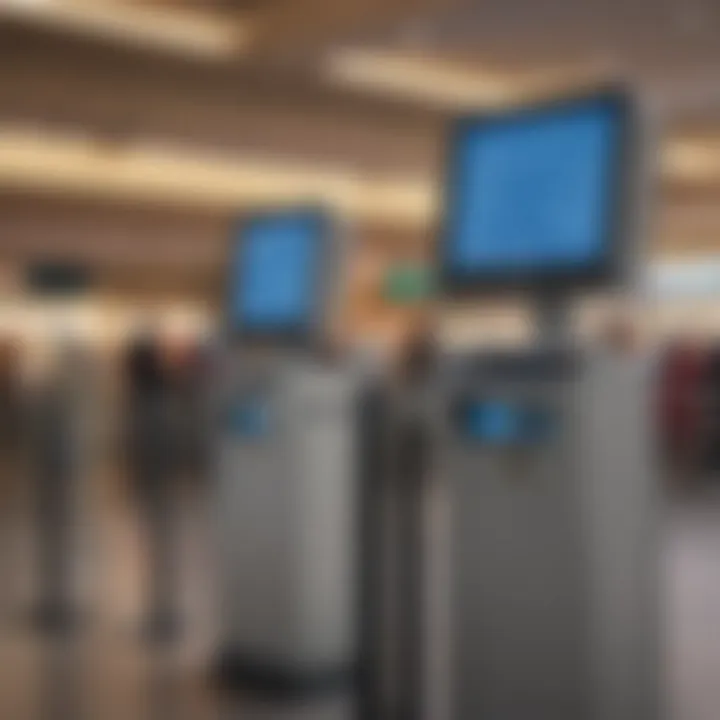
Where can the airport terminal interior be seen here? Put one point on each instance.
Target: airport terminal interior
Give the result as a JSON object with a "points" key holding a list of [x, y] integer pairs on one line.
{"points": [[280, 277]]}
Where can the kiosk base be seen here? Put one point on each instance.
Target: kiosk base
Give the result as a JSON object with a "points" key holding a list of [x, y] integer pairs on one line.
{"points": [[236, 671], [55, 618]]}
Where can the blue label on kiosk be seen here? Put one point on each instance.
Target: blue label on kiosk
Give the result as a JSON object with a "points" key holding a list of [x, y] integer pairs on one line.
{"points": [[248, 418], [503, 423]]}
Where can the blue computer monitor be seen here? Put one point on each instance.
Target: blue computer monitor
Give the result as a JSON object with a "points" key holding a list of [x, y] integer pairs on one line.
{"points": [[277, 275], [537, 196]]}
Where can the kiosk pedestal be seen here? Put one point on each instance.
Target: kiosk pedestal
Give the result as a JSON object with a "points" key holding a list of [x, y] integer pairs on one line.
{"points": [[289, 526], [546, 461]]}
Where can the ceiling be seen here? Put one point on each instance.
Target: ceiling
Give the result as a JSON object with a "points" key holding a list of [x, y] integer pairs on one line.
{"points": [[668, 47], [133, 102]]}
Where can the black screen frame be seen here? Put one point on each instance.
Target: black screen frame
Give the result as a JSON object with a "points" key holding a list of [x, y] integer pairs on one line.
{"points": [[611, 268], [296, 336]]}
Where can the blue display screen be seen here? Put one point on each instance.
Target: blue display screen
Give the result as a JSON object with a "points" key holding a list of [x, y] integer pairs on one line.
{"points": [[501, 423], [534, 191], [276, 272]]}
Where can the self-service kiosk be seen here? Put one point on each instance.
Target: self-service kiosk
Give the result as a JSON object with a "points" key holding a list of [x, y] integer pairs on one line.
{"points": [[288, 496], [546, 505]]}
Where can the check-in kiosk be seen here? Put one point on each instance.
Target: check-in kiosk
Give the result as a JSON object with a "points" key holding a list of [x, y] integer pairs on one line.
{"points": [[287, 477], [546, 547]]}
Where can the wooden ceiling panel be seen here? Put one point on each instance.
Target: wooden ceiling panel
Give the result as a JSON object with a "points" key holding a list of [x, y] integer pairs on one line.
{"points": [[108, 235], [287, 29], [125, 95]]}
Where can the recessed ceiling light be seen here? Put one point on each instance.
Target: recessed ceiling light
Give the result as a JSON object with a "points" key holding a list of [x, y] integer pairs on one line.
{"points": [[431, 81], [160, 174], [163, 28]]}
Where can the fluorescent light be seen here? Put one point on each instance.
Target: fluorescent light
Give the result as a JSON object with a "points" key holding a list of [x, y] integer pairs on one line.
{"points": [[66, 164], [433, 82], [198, 34], [693, 160], [442, 83], [23, 3], [36, 160]]}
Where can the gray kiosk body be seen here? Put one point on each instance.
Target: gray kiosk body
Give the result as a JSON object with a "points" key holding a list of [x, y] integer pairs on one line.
{"points": [[287, 520], [545, 566], [551, 536]]}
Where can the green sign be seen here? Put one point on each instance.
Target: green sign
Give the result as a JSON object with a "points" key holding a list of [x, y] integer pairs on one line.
{"points": [[408, 284]]}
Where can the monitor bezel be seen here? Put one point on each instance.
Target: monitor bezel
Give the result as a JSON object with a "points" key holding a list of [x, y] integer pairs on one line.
{"points": [[296, 336], [610, 269]]}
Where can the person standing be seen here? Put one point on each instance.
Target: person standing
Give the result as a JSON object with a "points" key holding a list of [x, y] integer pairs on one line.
{"points": [[150, 459]]}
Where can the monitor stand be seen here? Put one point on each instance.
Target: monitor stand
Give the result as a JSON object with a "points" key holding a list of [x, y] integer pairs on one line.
{"points": [[553, 318]]}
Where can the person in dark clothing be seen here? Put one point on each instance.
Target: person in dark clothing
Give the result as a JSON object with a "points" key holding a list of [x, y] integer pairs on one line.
{"points": [[150, 455], [711, 409], [412, 462], [60, 450], [685, 375], [144, 369], [54, 495]]}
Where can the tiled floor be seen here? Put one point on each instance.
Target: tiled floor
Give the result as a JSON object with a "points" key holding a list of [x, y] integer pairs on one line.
{"points": [[107, 674]]}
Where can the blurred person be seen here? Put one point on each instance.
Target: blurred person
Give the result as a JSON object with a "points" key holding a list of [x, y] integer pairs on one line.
{"points": [[10, 396], [152, 449], [185, 364], [684, 375], [712, 409], [11, 434], [412, 460], [61, 453]]}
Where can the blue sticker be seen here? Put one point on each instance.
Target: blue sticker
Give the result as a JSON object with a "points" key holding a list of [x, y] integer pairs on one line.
{"points": [[248, 418], [505, 424]]}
